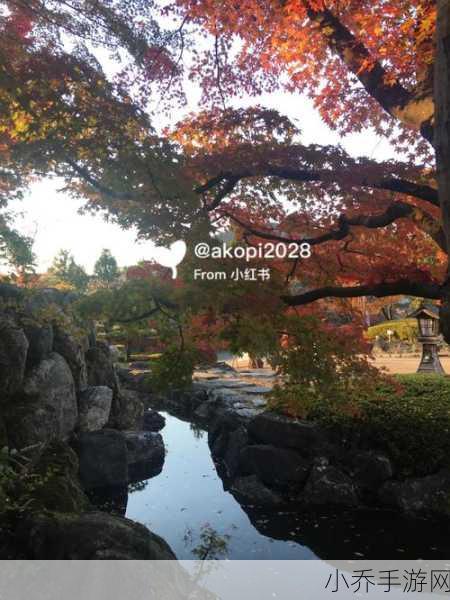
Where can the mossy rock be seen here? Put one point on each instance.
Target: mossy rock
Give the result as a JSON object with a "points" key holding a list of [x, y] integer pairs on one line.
{"points": [[94, 535], [59, 488]]}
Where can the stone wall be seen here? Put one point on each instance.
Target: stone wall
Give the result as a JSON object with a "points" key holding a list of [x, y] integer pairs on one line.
{"points": [[64, 412], [55, 378]]}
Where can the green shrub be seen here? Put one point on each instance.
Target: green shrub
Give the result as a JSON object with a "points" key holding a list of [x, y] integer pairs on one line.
{"points": [[407, 417], [405, 330], [413, 424], [172, 370]]}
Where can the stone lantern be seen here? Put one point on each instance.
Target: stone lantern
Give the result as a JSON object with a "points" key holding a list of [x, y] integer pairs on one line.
{"points": [[428, 320]]}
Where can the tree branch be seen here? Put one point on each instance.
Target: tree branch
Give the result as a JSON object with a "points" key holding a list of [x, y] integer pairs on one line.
{"points": [[84, 173], [402, 286], [413, 109], [390, 184], [397, 210]]}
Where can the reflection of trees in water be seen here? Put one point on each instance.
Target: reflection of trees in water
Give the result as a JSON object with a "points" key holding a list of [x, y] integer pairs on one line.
{"points": [[196, 430], [210, 545]]}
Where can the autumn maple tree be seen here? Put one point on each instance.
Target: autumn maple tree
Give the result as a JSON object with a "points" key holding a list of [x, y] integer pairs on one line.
{"points": [[376, 228]]}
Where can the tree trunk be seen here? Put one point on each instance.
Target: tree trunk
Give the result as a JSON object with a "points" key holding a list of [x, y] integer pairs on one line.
{"points": [[442, 138]]}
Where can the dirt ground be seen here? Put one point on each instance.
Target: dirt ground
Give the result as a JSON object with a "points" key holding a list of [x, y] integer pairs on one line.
{"points": [[406, 364], [393, 364]]}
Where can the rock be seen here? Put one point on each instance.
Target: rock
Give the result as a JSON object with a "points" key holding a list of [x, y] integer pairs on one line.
{"points": [[248, 413], [140, 365], [47, 406], [94, 407], [427, 495], [237, 441], [250, 490], [101, 371], [40, 339], [131, 410], [44, 297], [57, 465], [89, 536], [153, 421], [115, 353], [103, 459], [72, 350], [371, 470], [13, 356], [275, 466], [219, 432], [145, 454], [286, 432], [329, 485], [204, 411], [133, 380]]}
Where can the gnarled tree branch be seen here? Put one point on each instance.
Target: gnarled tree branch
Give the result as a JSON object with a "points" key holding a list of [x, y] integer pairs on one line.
{"points": [[381, 290], [227, 182], [397, 210]]}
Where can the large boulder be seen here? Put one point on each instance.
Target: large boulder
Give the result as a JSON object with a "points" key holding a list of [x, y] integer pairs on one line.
{"points": [[40, 339], [101, 371], [60, 489], [94, 407], [286, 432], [13, 356], [427, 495], [46, 407], [72, 350], [131, 413], [89, 536], [153, 421], [236, 442], [275, 466], [145, 454], [250, 490], [103, 459], [329, 485], [371, 470], [132, 379], [43, 298]]}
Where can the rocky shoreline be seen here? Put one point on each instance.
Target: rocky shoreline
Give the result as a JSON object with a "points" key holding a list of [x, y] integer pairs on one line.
{"points": [[74, 432], [270, 460]]}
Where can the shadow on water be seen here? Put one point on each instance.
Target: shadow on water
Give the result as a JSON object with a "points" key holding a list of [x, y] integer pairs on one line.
{"points": [[188, 506]]}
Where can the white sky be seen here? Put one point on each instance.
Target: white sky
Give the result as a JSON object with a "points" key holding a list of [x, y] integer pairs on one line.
{"points": [[52, 218]]}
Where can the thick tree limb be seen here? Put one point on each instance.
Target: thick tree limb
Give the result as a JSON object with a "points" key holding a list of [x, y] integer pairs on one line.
{"points": [[397, 210], [381, 290], [227, 182], [84, 174], [442, 92], [413, 109]]}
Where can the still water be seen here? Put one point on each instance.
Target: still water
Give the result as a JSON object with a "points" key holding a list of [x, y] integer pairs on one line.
{"points": [[187, 505]]}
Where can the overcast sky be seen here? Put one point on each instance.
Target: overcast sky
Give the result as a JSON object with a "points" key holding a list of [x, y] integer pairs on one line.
{"points": [[52, 218]]}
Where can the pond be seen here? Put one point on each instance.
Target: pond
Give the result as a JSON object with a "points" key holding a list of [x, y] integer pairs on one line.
{"points": [[187, 505]]}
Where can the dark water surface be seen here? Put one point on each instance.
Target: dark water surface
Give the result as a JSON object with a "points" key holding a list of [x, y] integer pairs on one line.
{"points": [[187, 505]]}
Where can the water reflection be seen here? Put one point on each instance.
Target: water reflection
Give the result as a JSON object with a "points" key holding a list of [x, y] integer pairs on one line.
{"points": [[190, 507]]}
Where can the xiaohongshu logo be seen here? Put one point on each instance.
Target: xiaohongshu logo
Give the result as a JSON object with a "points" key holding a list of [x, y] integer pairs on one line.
{"points": [[170, 257]]}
